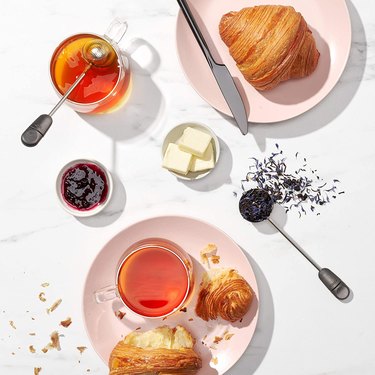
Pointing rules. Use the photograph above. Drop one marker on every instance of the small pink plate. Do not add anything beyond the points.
(105, 329)
(328, 20)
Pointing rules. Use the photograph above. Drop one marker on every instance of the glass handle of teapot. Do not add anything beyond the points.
(116, 30)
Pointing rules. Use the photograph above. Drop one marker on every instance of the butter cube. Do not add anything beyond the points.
(177, 160)
(204, 163)
(194, 141)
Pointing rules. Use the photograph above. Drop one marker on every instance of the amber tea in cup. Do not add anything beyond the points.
(103, 89)
(154, 279)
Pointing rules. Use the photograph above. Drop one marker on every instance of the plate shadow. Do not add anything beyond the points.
(114, 209)
(261, 340)
(335, 102)
(219, 176)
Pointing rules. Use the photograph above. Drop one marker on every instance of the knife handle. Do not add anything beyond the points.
(196, 31)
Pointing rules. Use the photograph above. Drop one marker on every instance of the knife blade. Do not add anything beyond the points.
(221, 73)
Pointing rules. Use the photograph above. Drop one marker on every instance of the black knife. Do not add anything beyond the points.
(221, 73)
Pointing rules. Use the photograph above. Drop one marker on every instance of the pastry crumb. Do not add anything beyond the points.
(54, 306)
(11, 323)
(81, 349)
(120, 314)
(191, 319)
(215, 361)
(215, 259)
(66, 323)
(37, 370)
(184, 309)
(32, 334)
(42, 297)
(45, 285)
(138, 328)
(217, 339)
(55, 340)
(207, 252)
(32, 349)
(228, 336)
(54, 344)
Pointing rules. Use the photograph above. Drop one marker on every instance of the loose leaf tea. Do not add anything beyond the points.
(301, 190)
(256, 205)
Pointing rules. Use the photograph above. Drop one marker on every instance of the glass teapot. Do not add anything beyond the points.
(103, 89)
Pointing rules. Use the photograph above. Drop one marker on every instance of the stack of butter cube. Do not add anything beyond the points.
(193, 152)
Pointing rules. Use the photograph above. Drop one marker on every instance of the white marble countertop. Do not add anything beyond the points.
(302, 329)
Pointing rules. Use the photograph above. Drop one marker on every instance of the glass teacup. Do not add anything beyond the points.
(103, 89)
(154, 278)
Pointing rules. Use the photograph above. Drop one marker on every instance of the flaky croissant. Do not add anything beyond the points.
(270, 44)
(161, 351)
(223, 293)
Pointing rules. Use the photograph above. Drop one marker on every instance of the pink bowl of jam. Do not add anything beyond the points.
(84, 187)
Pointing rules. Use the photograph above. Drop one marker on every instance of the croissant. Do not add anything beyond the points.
(270, 44)
(161, 351)
(223, 293)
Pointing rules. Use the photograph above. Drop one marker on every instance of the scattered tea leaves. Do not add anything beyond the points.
(302, 190)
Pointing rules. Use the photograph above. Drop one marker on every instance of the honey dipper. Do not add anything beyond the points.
(256, 205)
(96, 52)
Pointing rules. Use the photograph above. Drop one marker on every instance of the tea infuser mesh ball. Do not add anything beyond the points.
(98, 53)
(256, 205)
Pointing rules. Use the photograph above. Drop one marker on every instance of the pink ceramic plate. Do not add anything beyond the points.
(328, 20)
(105, 329)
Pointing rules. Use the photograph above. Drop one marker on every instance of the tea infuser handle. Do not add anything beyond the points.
(335, 285)
(36, 131)
(106, 294)
(116, 30)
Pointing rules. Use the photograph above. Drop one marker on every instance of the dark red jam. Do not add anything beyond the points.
(84, 186)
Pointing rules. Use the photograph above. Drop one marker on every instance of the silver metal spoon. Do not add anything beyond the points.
(97, 53)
